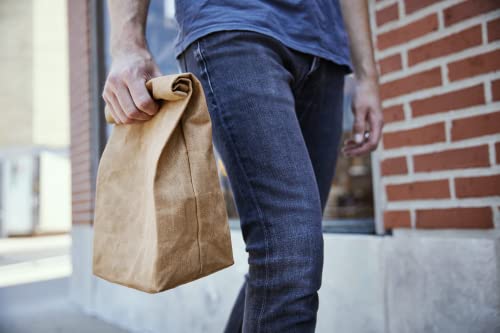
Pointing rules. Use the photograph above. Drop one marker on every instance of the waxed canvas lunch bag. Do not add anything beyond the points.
(160, 217)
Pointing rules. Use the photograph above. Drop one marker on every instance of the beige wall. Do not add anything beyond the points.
(34, 67)
(16, 66)
(50, 73)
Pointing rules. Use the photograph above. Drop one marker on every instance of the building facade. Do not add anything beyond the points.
(34, 131)
(431, 262)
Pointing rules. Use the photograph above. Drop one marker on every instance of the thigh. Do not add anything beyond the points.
(256, 130)
(319, 104)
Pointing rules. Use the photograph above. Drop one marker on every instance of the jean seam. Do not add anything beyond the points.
(227, 133)
(315, 66)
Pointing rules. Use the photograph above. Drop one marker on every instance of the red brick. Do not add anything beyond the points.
(393, 113)
(414, 137)
(387, 14)
(459, 217)
(495, 90)
(467, 9)
(471, 127)
(467, 187)
(476, 65)
(497, 152)
(453, 100)
(408, 32)
(397, 219)
(448, 45)
(433, 189)
(493, 30)
(390, 64)
(422, 80)
(412, 6)
(460, 158)
(394, 166)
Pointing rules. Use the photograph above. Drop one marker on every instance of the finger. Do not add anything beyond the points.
(359, 125)
(376, 122)
(350, 146)
(365, 148)
(106, 96)
(119, 115)
(111, 110)
(351, 143)
(141, 97)
(127, 105)
(357, 148)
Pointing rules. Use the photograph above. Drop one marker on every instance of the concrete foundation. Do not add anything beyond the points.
(410, 282)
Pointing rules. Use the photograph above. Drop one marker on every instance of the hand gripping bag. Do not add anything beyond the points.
(160, 217)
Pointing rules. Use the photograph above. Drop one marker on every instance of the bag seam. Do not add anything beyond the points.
(194, 193)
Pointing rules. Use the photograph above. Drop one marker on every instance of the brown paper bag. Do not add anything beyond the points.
(160, 217)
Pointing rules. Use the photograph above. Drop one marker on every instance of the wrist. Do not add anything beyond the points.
(367, 75)
(127, 43)
(366, 71)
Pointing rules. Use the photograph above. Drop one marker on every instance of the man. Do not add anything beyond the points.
(273, 74)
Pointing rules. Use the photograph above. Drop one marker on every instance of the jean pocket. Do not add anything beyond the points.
(314, 66)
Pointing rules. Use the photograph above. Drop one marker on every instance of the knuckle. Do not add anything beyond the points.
(133, 113)
(113, 80)
(145, 104)
(128, 73)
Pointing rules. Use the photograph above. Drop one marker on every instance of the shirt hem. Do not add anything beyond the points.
(182, 44)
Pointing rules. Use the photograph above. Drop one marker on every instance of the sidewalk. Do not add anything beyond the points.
(34, 278)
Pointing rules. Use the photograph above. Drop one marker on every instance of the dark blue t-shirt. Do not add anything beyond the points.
(310, 26)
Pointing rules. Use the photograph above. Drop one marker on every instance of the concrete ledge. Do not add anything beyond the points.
(446, 282)
(409, 282)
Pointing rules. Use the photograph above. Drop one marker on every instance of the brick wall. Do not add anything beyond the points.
(82, 169)
(439, 158)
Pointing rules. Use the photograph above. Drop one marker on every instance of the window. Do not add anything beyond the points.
(350, 204)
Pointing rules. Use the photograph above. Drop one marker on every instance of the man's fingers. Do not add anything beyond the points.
(376, 123)
(114, 107)
(359, 125)
(111, 110)
(128, 106)
(141, 97)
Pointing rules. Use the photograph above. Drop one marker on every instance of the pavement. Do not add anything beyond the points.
(34, 286)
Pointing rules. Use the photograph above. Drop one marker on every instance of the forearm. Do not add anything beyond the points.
(357, 22)
(127, 99)
(128, 26)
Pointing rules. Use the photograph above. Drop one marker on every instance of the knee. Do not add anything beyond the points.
(300, 255)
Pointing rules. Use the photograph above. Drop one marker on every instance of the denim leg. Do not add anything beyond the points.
(257, 134)
(235, 321)
(319, 105)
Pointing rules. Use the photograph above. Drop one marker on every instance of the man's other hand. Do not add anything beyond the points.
(368, 120)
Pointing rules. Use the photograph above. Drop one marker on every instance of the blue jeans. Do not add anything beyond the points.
(276, 123)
